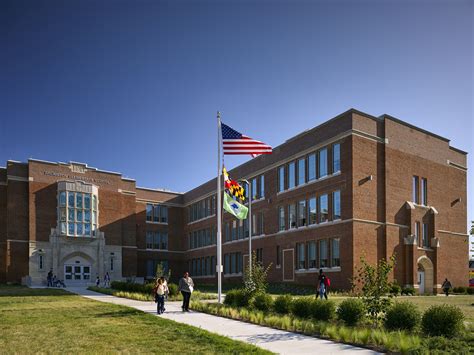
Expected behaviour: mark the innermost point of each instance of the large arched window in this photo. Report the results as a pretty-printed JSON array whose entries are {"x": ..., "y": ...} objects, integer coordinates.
[{"x": 78, "y": 209}]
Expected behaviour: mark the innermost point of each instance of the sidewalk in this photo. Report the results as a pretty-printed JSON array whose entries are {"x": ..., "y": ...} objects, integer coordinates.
[{"x": 277, "y": 341}]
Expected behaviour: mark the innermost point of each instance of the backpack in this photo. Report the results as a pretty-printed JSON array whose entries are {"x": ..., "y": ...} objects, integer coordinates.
[{"x": 327, "y": 282}]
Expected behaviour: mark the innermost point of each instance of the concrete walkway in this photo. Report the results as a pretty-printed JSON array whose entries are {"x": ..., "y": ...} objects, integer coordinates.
[{"x": 277, "y": 341}]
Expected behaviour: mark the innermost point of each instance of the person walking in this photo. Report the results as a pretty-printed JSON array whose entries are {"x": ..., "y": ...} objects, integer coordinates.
[
  {"x": 323, "y": 283},
  {"x": 186, "y": 286},
  {"x": 97, "y": 281},
  {"x": 106, "y": 280},
  {"x": 50, "y": 278},
  {"x": 159, "y": 296},
  {"x": 446, "y": 286}
]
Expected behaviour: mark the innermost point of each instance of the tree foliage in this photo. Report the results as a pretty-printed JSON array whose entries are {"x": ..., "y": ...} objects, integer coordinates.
[{"x": 255, "y": 282}]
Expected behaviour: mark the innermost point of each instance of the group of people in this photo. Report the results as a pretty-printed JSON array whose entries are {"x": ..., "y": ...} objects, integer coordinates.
[
  {"x": 53, "y": 281},
  {"x": 161, "y": 292},
  {"x": 106, "y": 280}
]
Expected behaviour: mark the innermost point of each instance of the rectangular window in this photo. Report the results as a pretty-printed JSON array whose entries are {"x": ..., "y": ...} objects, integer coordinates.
[
  {"x": 149, "y": 240},
  {"x": 281, "y": 178},
  {"x": 164, "y": 241},
  {"x": 240, "y": 233},
  {"x": 323, "y": 162},
  {"x": 233, "y": 263},
  {"x": 164, "y": 214},
  {"x": 111, "y": 264},
  {"x": 246, "y": 228},
  {"x": 323, "y": 208},
  {"x": 300, "y": 247},
  {"x": 149, "y": 268},
  {"x": 213, "y": 264},
  {"x": 79, "y": 229},
  {"x": 239, "y": 262},
  {"x": 149, "y": 212},
  {"x": 261, "y": 230},
  {"x": 226, "y": 264},
  {"x": 234, "y": 230},
  {"x": 227, "y": 232},
  {"x": 311, "y": 167},
  {"x": 336, "y": 205},
  {"x": 312, "y": 211},
  {"x": 424, "y": 191},
  {"x": 417, "y": 234},
  {"x": 71, "y": 200},
  {"x": 40, "y": 262},
  {"x": 156, "y": 213},
  {"x": 78, "y": 200},
  {"x": 206, "y": 207},
  {"x": 301, "y": 171},
  {"x": 156, "y": 240},
  {"x": 292, "y": 216},
  {"x": 259, "y": 253},
  {"x": 312, "y": 255},
  {"x": 302, "y": 213},
  {"x": 335, "y": 260},
  {"x": 336, "y": 158},
  {"x": 415, "y": 190},
  {"x": 291, "y": 175},
  {"x": 281, "y": 218},
  {"x": 254, "y": 189},
  {"x": 262, "y": 186},
  {"x": 278, "y": 256},
  {"x": 62, "y": 199},
  {"x": 323, "y": 253},
  {"x": 426, "y": 240}
]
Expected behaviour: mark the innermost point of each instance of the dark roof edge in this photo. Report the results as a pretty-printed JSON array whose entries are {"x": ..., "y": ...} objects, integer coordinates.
[
  {"x": 385, "y": 116},
  {"x": 458, "y": 150}
]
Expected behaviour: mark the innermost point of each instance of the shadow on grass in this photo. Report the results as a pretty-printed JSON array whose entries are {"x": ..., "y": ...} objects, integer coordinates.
[{"x": 23, "y": 291}]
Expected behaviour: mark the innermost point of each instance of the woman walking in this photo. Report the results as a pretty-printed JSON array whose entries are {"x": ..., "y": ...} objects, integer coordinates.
[
  {"x": 159, "y": 296},
  {"x": 186, "y": 286}
]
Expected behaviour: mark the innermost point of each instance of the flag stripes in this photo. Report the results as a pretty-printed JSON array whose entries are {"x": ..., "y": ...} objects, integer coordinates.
[{"x": 234, "y": 143}]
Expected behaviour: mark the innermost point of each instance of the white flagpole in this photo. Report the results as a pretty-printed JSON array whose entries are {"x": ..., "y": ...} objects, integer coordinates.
[{"x": 219, "y": 211}]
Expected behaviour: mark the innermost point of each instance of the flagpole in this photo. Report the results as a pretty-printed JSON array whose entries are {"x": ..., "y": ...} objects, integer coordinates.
[{"x": 219, "y": 211}]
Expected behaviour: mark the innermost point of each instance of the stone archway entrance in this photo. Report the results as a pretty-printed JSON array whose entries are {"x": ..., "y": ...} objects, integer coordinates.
[
  {"x": 77, "y": 268},
  {"x": 425, "y": 275}
]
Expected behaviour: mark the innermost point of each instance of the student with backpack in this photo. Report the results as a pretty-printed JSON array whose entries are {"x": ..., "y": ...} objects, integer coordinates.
[{"x": 323, "y": 285}]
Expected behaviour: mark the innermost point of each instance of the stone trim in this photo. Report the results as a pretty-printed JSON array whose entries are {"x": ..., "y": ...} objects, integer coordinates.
[{"x": 453, "y": 233}]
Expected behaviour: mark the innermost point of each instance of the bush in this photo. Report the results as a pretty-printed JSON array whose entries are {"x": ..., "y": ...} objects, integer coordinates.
[
  {"x": 470, "y": 290},
  {"x": 402, "y": 316},
  {"x": 460, "y": 289},
  {"x": 323, "y": 310},
  {"x": 395, "y": 289},
  {"x": 409, "y": 291},
  {"x": 302, "y": 307},
  {"x": 173, "y": 289},
  {"x": 263, "y": 302},
  {"x": 444, "y": 320},
  {"x": 237, "y": 298},
  {"x": 351, "y": 311},
  {"x": 132, "y": 287},
  {"x": 282, "y": 304}
]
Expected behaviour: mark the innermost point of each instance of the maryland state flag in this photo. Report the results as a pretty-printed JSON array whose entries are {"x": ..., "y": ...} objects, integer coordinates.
[{"x": 233, "y": 186}]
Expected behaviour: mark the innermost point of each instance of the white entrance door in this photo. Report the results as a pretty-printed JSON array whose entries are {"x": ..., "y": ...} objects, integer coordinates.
[
  {"x": 421, "y": 282},
  {"x": 77, "y": 273}
]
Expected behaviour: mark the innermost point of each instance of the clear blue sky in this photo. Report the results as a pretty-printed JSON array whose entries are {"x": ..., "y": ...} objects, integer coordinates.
[{"x": 134, "y": 86}]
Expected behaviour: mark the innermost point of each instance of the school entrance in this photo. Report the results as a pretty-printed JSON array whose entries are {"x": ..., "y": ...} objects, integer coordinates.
[{"x": 77, "y": 274}]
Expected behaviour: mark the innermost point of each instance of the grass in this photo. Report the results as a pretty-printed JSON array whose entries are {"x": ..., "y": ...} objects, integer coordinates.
[
  {"x": 55, "y": 321},
  {"x": 140, "y": 296}
]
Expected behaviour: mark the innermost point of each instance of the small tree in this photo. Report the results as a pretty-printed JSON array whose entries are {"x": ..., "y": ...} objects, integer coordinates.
[
  {"x": 256, "y": 281},
  {"x": 160, "y": 271},
  {"x": 371, "y": 283}
]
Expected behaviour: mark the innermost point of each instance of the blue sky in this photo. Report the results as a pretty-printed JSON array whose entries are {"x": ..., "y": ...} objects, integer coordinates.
[{"x": 134, "y": 86}]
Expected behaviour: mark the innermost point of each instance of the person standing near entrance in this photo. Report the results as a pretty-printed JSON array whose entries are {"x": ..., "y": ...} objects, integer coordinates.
[
  {"x": 446, "y": 286},
  {"x": 186, "y": 286},
  {"x": 50, "y": 278},
  {"x": 106, "y": 280}
]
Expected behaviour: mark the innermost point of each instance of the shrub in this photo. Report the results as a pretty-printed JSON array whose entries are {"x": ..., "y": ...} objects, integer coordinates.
[
  {"x": 470, "y": 290},
  {"x": 461, "y": 289},
  {"x": 302, "y": 307},
  {"x": 132, "y": 287},
  {"x": 237, "y": 298},
  {"x": 263, "y": 302},
  {"x": 173, "y": 289},
  {"x": 444, "y": 320},
  {"x": 402, "y": 316},
  {"x": 409, "y": 291},
  {"x": 282, "y": 304},
  {"x": 395, "y": 289},
  {"x": 351, "y": 311},
  {"x": 323, "y": 310}
]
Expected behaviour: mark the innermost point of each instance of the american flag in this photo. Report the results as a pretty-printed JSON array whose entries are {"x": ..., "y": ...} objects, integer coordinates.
[{"x": 237, "y": 143}]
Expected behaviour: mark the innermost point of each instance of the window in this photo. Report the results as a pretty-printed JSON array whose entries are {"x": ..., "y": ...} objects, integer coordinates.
[
  {"x": 336, "y": 205},
  {"x": 75, "y": 211},
  {"x": 226, "y": 264},
  {"x": 112, "y": 263},
  {"x": 415, "y": 190},
  {"x": 301, "y": 256},
  {"x": 149, "y": 212},
  {"x": 311, "y": 167},
  {"x": 281, "y": 218},
  {"x": 312, "y": 255},
  {"x": 149, "y": 240},
  {"x": 426, "y": 241},
  {"x": 323, "y": 208},
  {"x": 254, "y": 224},
  {"x": 234, "y": 230},
  {"x": 40, "y": 262},
  {"x": 246, "y": 228},
  {"x": 164, "y": 241},
  {"x": 302, "y": 213},
  {"x": 254, "y": 189},
  {"x": 291, "y": 175},
  {"x": 196, "y": 211},
  {"x": 335, "y": 260},
  {"x": 323, "y": 162},
  {"x": 281, "y": 179},
  {"x": 164, "y": 214},
  {"x": 149, "y": 268},
  {"x": 292, "y": 216},
  {"x": 233, "y": 263},
  {"x": 323, "y": 253},
  {"x": 261, "y": 230},
  {"x": 156, "y": 213},
  {"x": 227, "y": 232},
  {"x": 417, "y": 233},
  {"x": 301, "y": 171},
  {"x": 424, "y": 191},
  {"x": 240, "y": 234},
  {"x": 262, "y": 186},
  {"x": 278, "y": 255},
  {"x": 336, "y": 158},
  {"x": 312, "y": 210},
  {"x": 259, "y": 253}
]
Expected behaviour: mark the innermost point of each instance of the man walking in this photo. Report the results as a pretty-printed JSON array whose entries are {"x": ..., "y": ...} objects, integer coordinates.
[
  {"x": 186, "y": 286},
  {"x": 446, "y": 286}
]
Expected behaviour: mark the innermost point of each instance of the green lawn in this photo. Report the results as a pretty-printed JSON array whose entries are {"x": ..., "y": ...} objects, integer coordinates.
[{"x": 47, "y": 320}]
